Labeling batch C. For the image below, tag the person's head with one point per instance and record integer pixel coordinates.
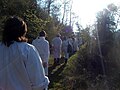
(58, 35)
(14, 30)
(64, 38)
(42, 34)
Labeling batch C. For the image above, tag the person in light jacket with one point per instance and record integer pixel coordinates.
(42, 46)
(56, 45)
(20, 64)
(64, 49)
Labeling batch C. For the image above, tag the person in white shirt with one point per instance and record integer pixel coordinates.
(56, 45)
(20, 64)
(42, 45)
(64, 49)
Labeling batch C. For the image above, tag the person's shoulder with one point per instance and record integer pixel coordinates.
(25, 45)
(34, 41)
(29, 45)
(54, 38)
(46, 41)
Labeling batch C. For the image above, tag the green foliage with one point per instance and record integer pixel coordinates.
(13, 7)
(105, 20)
(35, 16)
(35, 24)
(70, 65)
(2, 19)
(18, 8)
(85, 34)
(114, 61)
(80, 72)
(74, 73)
(84, 69)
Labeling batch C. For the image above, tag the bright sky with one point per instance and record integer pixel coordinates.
(86, 9)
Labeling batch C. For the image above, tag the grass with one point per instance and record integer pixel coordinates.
(79, 74)
(55, 72)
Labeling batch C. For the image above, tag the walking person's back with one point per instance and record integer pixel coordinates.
(20, 64)
(56, 45)
(64, 49)
(42, 46)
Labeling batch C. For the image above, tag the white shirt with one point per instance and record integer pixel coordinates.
(64, 48)
(57, 44)
(42, 45)
(64, 45)
(21, 68)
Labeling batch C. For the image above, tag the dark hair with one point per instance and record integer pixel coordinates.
(58, 35)
(42, 34)
(64, 38)
(14, 30)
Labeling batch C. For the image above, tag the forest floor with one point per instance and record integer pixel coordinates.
(55, 75)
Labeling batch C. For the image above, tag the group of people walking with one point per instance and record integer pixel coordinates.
(63, 47)
(24, 66)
